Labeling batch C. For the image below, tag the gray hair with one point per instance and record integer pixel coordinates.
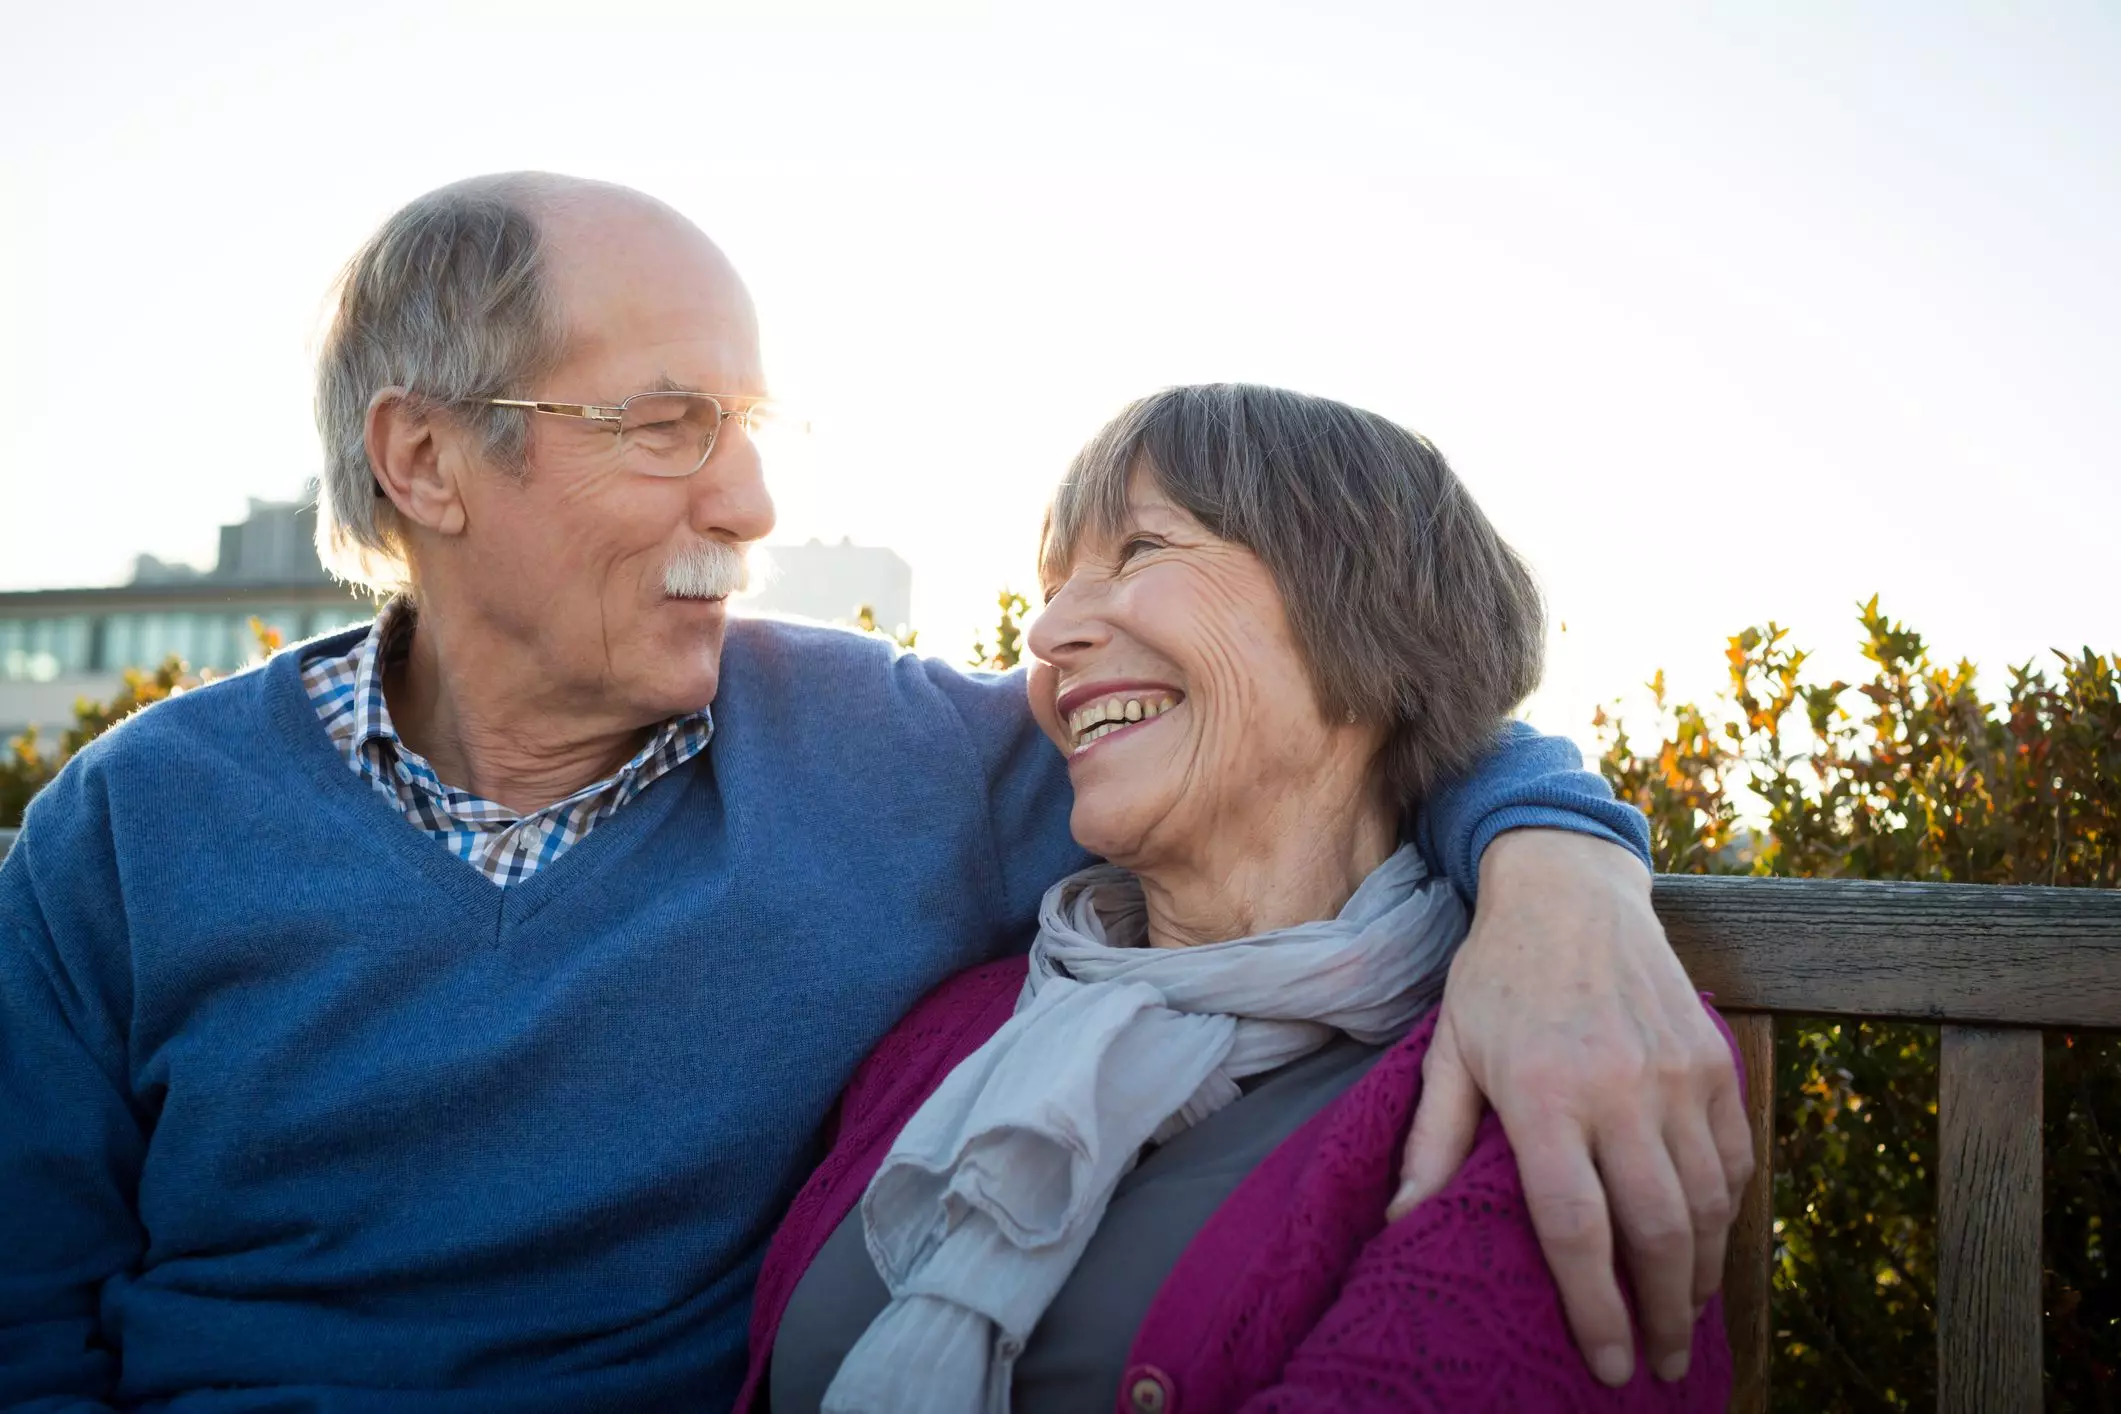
(448, 301)
(1410, 611)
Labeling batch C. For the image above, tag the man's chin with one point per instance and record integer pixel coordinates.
(694, 624)
(677, 695)
(689, 670)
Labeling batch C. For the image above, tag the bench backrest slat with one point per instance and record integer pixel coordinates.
(1749, 1260)
(1988, 1221)
(2009, 961)
(1984, 954)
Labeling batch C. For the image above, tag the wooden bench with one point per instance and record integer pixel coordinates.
(1993, 967)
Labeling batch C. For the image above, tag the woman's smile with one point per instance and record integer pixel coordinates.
(1101, 711)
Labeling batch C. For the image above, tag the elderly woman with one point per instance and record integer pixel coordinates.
(1149, 1166)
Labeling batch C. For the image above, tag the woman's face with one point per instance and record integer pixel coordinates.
(1166, 671)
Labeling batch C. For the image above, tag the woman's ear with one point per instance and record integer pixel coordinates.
(410, 469)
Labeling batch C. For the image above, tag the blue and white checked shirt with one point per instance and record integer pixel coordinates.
(347, 692)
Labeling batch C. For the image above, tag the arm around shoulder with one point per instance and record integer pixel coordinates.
(1529, 781)
(1026, 780)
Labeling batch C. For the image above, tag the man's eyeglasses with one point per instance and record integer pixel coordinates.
(667, 434)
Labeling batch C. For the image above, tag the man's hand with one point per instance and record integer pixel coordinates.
(1566, 1009)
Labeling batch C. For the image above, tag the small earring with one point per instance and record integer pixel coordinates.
(1351, 716)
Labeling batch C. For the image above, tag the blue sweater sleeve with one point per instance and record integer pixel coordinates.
(1028, 795)
(1529, 781)
(70, 1144)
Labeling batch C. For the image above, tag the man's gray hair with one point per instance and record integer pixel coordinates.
(1411, 612)
(447, 300)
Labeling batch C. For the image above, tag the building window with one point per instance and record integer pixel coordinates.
(38, 650)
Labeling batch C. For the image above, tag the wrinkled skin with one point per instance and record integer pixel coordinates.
(1242, 808)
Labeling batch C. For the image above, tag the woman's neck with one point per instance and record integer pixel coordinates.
(1300, 864)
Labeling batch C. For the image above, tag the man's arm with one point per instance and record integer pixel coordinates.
(1568, 1012)
(70, 1150)
(1528, 782)
(1028, 793)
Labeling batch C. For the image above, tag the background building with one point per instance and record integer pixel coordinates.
(57, 645)
(832, 582)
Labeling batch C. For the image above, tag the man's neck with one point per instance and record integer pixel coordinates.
(491, 723)
(1300, 863)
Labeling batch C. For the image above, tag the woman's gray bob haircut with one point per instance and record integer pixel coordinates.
(448, 301)
(1410, 610)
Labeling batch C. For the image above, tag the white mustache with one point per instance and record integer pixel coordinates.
(712, 569)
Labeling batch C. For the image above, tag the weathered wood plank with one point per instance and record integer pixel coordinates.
(1988, 1221)
(1986, 954)
(1749, 1260)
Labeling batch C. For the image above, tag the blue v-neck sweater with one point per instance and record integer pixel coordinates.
(299, 1112)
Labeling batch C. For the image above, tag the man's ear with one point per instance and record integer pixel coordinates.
(410, 465)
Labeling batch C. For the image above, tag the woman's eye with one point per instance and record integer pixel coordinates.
(1138, 545)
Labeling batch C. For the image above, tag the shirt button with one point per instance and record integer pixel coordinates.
(1149, 1391)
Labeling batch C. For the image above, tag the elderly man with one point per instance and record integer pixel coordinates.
(439, 1017)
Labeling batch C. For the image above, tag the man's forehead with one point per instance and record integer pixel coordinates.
(609, 244)
(619, 359)
(640, 254)
(638, 286)
(579, 213)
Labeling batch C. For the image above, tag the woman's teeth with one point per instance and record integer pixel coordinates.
(1110, 714)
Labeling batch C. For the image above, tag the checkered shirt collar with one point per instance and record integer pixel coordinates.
(469, 823)
(391, 639)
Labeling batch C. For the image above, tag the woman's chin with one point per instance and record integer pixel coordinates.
(1107, 832)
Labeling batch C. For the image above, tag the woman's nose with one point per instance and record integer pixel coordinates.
(1067, 627)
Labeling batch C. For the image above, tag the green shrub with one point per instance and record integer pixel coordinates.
(1908, 775)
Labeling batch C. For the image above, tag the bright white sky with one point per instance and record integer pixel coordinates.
(1725, 312)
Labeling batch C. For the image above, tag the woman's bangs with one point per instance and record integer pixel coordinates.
(1089, 506)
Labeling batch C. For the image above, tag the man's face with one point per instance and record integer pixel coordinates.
(568, 562)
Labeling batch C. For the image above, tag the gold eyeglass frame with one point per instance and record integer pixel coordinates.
(614, 413)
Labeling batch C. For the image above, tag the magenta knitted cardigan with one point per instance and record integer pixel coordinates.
(1296, 1296)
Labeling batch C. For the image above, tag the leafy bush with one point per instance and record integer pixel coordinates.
(1008, 649)
(1908, 775)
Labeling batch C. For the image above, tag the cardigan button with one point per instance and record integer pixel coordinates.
(1149, 1391)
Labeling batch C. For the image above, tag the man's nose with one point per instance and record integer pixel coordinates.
(729, 495)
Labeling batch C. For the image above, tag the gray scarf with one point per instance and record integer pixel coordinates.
(984, 1204)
